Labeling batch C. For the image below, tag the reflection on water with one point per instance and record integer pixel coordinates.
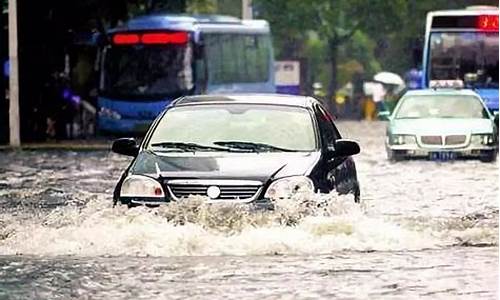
(424, 229)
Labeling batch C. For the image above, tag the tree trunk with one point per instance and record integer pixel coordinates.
(332, 86)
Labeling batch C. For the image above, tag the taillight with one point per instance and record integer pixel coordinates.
(165, 38)
(151, 38)
(126, 39)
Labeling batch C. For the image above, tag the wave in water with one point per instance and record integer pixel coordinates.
(314, 224)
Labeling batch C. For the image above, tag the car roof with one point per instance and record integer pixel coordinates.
(430, 92)
(268, 99)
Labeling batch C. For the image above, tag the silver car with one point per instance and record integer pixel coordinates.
(442, 124)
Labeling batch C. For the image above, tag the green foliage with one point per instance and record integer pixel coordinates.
(290, 21)
(355, 53)
(315, 56)
(339, 20)
(341, 25)
(336, 20)
(202, 6)
(171, 6)
(361, 48)
(229, 7)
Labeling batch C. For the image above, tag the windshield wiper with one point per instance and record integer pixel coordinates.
(189, 147)
(255, 147)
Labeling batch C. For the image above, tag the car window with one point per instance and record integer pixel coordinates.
(280, 126)
(441, 106)
(329, 133)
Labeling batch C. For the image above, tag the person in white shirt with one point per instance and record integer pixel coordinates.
(378, 93)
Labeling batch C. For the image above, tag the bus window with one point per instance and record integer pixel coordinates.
(237, 57)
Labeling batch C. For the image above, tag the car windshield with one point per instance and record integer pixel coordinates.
(463, 55)
(147, 71)
(441, 106)
(265, 127)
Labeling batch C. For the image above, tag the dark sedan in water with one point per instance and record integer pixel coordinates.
(238, 148)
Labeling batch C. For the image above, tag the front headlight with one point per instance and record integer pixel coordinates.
(482, 139)
(138, 186)
(289, 187)
(403, 139)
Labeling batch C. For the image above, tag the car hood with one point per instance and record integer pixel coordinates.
(441, 126)
(208, 165)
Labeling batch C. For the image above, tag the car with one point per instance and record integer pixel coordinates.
(251, 149)
(442, 124)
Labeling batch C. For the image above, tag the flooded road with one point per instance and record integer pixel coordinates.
(424, 230)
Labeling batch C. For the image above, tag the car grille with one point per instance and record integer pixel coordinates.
(229, 190)
(455, 139)
(431, 140)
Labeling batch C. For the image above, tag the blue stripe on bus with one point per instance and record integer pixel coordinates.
(120, 116)
(123, 126)
(141, 110)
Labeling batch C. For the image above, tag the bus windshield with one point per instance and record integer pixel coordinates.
(147, 71)
(458, 55)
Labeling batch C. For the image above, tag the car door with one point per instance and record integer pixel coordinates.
(337, 173)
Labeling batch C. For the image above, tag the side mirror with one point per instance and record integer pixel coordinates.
(344, 148)
(125, 146)
(384, 115)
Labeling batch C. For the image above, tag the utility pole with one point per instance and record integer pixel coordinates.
(246, 9)
(14, 125)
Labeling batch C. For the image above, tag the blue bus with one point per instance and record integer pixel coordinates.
(151, 60)
(463, 45)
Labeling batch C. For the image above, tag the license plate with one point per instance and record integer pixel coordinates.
(442, 156)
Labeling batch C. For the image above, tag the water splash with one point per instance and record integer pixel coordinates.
(315, 224)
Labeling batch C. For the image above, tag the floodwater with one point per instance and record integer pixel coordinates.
(424, 230)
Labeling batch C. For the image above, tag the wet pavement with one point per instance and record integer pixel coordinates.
(424, 230)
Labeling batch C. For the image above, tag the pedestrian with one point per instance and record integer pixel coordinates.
(378, 95)
(50, 106)
(340, 104)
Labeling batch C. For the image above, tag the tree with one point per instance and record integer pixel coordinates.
(335, 21)
(172, 6)
(290, 21)
(229, 7)
(338, 21)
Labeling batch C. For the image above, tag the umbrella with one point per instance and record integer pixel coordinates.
(389, 78)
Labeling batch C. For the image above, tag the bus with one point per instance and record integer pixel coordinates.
(462, 45)
(152, 60)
